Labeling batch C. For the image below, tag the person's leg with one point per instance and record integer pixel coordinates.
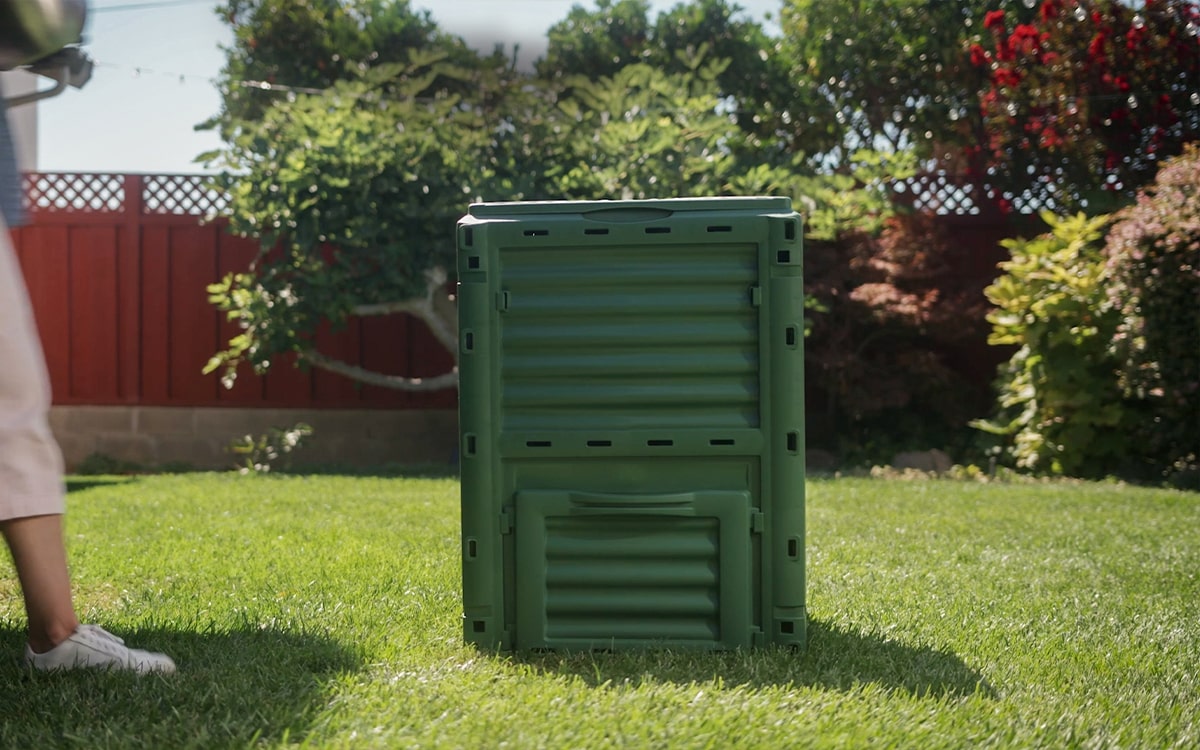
(31, 472)
(36, 543)
(32, 498)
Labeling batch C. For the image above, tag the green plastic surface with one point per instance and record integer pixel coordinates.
(632, 425)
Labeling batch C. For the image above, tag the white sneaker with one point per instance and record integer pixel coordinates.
(93, 646)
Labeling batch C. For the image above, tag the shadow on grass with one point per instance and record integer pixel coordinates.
(82, 484)
(233, 689)
(835, 659)
(385, 471)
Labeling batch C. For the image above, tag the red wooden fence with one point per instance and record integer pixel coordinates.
(118, 265)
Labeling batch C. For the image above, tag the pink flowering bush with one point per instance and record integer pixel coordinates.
(1154, 263)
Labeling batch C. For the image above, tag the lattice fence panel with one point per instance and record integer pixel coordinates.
(75, 193)
(951, 195)
(940, 194)
(192, 195)
(1033, 199)
(181, 195)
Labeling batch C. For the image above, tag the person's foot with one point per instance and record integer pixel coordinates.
(93, 646)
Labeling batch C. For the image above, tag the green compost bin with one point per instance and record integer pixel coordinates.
(632, 424)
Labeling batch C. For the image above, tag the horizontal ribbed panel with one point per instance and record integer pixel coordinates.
(652, 336)
(632, 577)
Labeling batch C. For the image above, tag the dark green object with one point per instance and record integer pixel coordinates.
(632, 424)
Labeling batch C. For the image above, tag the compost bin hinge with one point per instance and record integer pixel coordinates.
(756, 296)
(756, 522)
(502, 301)
(506, 522)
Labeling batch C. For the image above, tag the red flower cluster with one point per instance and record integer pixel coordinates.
(1133, 39)
(1063, 88)
(1006, 77)
(1051, 140)
(1025, 39)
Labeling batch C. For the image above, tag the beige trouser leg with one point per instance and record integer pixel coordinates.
(31, 466)
(31, 480)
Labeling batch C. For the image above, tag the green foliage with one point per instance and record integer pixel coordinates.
(352, 186)
(268, 451)
(598, 42)
(1061, 410)
(856, 200)
(752, 79)
(1154, 261)
(350, 192)
(349, 173)
(311, 44)
(889, 72)
(645, 134)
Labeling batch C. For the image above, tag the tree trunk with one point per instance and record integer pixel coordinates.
(437, 309)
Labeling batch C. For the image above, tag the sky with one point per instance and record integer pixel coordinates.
(156, 61)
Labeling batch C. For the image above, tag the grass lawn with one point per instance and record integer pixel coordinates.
(324, 612)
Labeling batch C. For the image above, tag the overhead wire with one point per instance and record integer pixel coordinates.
(138, 71)
(149, 5)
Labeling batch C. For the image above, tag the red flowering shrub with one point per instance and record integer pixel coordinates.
(1089, 96)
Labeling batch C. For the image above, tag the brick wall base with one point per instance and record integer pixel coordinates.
(200, 437)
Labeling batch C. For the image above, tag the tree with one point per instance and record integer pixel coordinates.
(1087, 97)
(356, 133)
(352, 180)
(597, 43)
(751, 79)
(352, 160)
(282, 47)
(878, 74)
(350, 191)
(644, 134)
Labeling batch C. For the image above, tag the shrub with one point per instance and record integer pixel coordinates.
(1153, 254)
(263, 453)
(1061, 409)
(880, 360)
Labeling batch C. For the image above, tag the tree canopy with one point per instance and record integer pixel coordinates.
(283, 47)
(349, 163)
(357, 131)
(879, 72)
